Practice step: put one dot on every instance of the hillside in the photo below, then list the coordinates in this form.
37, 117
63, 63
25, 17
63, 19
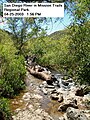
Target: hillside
58, 34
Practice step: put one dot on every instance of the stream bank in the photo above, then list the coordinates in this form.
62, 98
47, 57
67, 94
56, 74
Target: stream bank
41, 101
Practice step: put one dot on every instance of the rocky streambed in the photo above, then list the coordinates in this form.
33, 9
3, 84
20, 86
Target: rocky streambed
58, 100
27, 105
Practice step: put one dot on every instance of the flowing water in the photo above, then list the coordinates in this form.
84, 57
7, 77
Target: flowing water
32, 86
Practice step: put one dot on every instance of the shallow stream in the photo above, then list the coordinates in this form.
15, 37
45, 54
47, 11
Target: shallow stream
32, 86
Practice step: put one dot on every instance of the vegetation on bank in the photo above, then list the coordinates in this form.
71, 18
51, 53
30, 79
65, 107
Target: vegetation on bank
57, 52
67, 51
51, 52
5, 113
12, 67
12, 73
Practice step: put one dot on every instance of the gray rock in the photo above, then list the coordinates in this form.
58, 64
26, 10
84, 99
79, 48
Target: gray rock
53, 91
44, 91
60, 90
61, 118
54, 96
41, 86
50, 86
60, 98
71, 84
26, 96
70, 80
64, 106
50, 91
75, 114
64, 82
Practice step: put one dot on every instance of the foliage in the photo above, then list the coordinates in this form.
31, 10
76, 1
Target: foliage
12, 70
81, 51
24, 29
18, 27
4, 109
67, 51
59, 50
51, 52
58, 34
80, 35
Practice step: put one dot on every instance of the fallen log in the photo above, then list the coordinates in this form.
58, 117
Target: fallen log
40, 74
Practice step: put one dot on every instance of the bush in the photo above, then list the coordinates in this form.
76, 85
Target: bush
12, 69
4, 109
81, 51
12, 80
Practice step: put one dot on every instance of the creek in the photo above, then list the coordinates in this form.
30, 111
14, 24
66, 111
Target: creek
33, 87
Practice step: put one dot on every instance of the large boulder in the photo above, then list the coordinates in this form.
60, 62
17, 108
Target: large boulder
75, 114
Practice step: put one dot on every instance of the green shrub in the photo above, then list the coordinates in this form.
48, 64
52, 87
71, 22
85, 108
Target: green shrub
12, 80
12, 67
4, 109
81, 51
